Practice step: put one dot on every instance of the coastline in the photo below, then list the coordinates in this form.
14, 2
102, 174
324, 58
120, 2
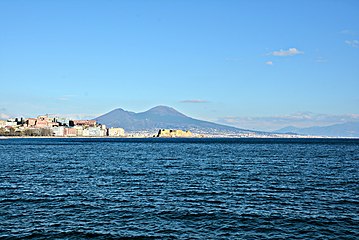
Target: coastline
202, 137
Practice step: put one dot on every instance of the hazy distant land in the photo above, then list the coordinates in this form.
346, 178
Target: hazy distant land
122, 123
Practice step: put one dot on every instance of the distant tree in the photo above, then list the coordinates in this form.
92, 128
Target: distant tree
11, 132
27, 132
31, 132
45, 132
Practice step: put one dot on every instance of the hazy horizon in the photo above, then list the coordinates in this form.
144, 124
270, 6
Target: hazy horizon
250, 64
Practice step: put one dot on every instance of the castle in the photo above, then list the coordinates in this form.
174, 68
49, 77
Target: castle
170, 133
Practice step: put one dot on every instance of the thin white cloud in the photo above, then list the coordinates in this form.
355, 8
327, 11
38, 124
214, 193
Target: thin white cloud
75, 116
194, 101
71, 116
348, 32
3, 113
285, 53
269, 63
353, 43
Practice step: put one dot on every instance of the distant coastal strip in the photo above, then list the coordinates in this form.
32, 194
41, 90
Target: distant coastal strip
160, 121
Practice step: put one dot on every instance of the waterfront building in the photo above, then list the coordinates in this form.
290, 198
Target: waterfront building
93, 132
52, 126
116, 132
169, 133
70, 132
58, 131
79, 130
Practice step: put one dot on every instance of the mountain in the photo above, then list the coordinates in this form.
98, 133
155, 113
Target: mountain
162, 117
350, 129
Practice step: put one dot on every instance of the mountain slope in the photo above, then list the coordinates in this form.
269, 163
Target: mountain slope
350, 129
161, 117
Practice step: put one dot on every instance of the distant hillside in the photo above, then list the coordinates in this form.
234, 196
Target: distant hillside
161, 117
350, 129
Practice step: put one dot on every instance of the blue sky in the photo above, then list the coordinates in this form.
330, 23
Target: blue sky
246, 63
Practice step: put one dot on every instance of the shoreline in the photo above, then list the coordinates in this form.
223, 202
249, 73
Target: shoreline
209, 137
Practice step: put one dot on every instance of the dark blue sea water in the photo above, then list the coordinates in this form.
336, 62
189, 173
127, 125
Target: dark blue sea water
179, 189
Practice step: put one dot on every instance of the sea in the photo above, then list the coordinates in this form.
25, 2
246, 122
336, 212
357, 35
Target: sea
179, 188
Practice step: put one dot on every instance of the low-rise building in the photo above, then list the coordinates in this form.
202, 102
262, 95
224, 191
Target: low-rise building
41, 122
31, 122
53, 124
89, 123
10, 124
79, 130
58, 131
63, 121
70, 132
93, 132
45, 121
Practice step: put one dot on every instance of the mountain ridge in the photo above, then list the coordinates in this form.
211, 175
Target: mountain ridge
160, 117
348, 129
164, 117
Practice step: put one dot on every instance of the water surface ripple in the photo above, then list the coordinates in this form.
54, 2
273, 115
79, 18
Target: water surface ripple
179, 189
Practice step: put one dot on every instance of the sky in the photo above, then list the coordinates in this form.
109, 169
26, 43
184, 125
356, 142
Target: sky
251, 64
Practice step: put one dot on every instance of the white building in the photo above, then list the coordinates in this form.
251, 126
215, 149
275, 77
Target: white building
58, 131
79, 131
63, 120
93, 132
10, 124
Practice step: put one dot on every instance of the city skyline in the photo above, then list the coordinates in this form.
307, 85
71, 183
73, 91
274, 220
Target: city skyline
257, 65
